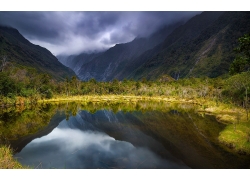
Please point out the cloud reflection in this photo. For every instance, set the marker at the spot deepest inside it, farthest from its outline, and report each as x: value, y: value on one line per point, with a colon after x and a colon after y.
x: 73, y: 148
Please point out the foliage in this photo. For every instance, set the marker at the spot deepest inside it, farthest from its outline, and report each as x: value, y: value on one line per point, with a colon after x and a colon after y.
x: 204, y: 48
x: 7, y: 85
x: 237, y: 136
x: 19, y: 122
x: 22, y: 85
x: 236, y: 86
x: 14, y: 48
x: 6, y: 159
x: 242, y: 62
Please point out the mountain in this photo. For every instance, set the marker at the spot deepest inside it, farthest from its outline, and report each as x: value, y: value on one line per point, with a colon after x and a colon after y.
x: 20, y: 51
x: 75, y: 62
x: 203, y: 46
x: 108, y: 65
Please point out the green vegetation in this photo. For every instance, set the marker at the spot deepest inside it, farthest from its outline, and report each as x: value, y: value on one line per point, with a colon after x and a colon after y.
x: 237, y: 136
x: 226, y: 97
x: 18, y: 122
x: 6, y: 159
x: 15, y: 49
x: 204, y: 48
x: 242, y: 61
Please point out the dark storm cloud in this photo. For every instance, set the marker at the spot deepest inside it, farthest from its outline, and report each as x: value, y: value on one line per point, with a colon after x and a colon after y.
x: 75, y: 32
x: 31, y: 24
x: 94, y: 23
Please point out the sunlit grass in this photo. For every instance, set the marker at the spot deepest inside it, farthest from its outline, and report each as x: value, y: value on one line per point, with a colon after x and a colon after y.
x: 228, y: 114
x: 7, y: 161
x: 237, y: 137
x: 225, y: 112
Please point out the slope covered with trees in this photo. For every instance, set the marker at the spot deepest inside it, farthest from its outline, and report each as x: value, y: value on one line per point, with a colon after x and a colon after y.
x: 203, y: 46
x: 18, y: 51
x: 207, y: 53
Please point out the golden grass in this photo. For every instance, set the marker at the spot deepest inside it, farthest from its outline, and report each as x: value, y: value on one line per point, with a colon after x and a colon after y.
x: 238, y: 140
x: 6, y: 159
x: 225, y: 113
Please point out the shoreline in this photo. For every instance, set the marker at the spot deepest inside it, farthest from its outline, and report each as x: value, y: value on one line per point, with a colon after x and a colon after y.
x: 203, y: 105
x: 225, y: 113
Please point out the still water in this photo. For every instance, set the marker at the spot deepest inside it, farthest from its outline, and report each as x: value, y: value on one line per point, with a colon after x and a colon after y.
x: 155, y: 138
x: 78, y: 143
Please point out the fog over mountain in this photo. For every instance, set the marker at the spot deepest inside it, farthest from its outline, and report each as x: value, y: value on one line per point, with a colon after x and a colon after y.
x: 72, y: 33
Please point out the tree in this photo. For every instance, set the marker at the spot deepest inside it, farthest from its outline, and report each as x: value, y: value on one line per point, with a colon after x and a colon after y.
x: 238, y: 88
x: 67, y: 85
x: 138, y: 85
x: 242, y: 62
x: 75, y: 85
x: 7, y: 85
x: 3, y: 63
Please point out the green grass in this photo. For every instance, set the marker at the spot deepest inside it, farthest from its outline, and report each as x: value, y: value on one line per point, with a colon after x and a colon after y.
x: 237, y: 137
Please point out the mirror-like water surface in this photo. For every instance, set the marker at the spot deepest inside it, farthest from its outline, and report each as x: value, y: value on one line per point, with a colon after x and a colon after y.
x: 77, y: 144
x: 144, y: 136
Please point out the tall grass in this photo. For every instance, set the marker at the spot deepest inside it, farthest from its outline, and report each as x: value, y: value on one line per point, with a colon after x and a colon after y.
x: 6, y: 159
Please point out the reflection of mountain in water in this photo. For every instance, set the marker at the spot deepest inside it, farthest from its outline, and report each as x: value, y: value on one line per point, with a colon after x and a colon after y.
x: 106, y: 139
x: 80, y: 143
x: 121, y: 126
x: 188, y: 136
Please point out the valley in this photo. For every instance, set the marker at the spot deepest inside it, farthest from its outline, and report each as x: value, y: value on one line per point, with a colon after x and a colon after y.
x: 185, y: 85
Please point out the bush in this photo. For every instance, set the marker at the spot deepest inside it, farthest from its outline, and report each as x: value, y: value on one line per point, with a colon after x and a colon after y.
x: 27, y: 92
x: 49, y: 94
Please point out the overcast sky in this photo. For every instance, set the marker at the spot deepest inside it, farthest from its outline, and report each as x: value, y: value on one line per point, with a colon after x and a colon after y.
x: 75, y: 32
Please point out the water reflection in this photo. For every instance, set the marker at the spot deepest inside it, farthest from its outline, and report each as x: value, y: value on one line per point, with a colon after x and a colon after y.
x: 117, y: 135
x: 70, y: 147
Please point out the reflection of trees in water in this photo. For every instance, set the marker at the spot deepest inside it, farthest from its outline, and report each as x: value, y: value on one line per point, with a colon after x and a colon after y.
x: 176, y: 126
x: 16, y: 122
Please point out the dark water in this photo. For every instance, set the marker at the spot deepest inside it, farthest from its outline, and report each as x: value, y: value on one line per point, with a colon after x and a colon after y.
x: 115, y: 138
x: 78, y: 144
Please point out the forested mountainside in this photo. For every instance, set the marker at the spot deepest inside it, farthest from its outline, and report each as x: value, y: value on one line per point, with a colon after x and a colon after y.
x: 208, y: 53
x: 19, y: 51
x: 203, y: 46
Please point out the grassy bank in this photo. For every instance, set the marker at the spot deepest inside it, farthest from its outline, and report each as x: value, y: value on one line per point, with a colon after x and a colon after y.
x: 7, y: 161
x: 235, y: 136
x: 226, y: 113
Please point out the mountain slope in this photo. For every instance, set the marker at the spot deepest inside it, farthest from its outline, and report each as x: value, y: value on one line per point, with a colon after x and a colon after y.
x: 20, y: 51
x: 207, y: 53
x: 75, y: 62
x: 108, y: 65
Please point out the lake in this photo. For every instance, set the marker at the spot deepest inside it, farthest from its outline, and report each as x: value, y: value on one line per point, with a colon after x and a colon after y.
x: 121, y: 136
